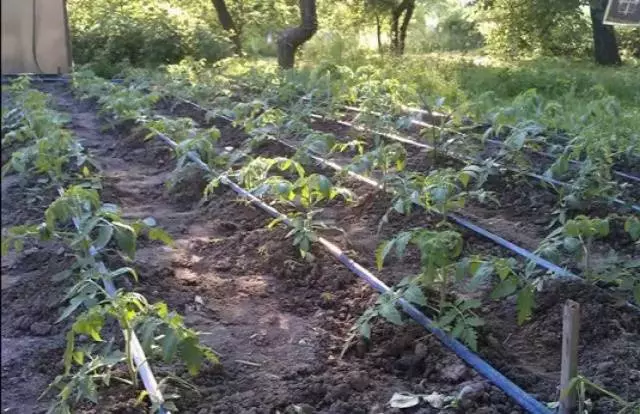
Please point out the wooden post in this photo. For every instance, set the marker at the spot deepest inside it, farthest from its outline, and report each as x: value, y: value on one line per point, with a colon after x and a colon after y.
x: 570, y: 334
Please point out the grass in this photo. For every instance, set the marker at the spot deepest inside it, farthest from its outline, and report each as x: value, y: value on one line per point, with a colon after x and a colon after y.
x: 460, y: 77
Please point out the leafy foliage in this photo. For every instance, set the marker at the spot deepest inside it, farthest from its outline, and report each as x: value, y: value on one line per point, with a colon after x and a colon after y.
x: 92, y: 229
x: 110, y: 34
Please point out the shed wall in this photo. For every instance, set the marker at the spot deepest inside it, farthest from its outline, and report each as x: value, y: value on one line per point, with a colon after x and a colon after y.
x: 52, y: 47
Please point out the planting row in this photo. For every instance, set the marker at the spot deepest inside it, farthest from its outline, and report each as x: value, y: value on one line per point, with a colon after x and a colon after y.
x: 385, y: 160
x: 301, y: 188
x: 48, y: 158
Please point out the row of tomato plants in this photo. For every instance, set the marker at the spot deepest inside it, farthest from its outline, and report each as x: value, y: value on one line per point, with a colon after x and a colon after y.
x: 288, y: 182
x: 442, y: 263
x: 600, y: 133
x: 591, y: 182
x: 571, y: 241
x: 48, y: 156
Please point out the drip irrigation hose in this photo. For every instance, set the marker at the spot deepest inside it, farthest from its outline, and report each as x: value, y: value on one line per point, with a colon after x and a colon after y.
x: 551, y: 156
x: 494, y: 141
x: 139, y: 358
x: 414, y: 143
x: 453, y: 217
x: 520, y: 396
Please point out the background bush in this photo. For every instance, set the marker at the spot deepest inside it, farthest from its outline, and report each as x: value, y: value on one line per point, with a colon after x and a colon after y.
x: 109, y: 35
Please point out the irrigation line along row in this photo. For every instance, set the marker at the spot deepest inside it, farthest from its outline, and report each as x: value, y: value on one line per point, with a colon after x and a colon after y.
x: 520, y: 396
x: 493, y: 141
x: 139, y: 358
x: 461, y: 157
x: 451, y: 216
x: 502, y: 144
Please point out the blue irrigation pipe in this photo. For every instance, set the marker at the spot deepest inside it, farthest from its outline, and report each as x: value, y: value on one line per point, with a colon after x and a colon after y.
x: 453, y: 217
x: 498, y: 142
x: 539, y: 261
x: 538, y: 177
x: 441, y: 115
x: 525, y: 400
x: 513, y: 247
x: 139, y: 358
x: 553, y: 157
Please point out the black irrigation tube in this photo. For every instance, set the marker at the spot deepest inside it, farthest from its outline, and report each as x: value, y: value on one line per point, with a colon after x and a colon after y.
x: 137, y: 353
x: 453, y: 217
x: 520, y: 396
x: 502, y: 144
x: 442, y: 115
x: 417, y: 144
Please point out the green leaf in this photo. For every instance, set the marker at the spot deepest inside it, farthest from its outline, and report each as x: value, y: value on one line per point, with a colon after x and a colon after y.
x: 470, y: 338
x: 458, y: 329
x: 324, y: 186
x: 365, y: 329
x: 123, y: 270
x: 474, y: 321
x: 446, y: 319
x: 571, y: 244
x: 68, y: 353
x: 169, y: 346
x: 104, y: 235
x: 382, y: 251
x: 464, y: 178
x: 401, y: 243
x: 632, y: 226
x: 415, y: 295
x: 467, y: 304
x: 74, y: 303
x: 78, y: 357
x: 191, y: 354
x: 157, y: 233
x: 126, y: 239
x: 525, y: 303
x: 389, y: 312
x: 505, y: 288
x: 572, y: 229
x: 148, y: 334
x: 602, y: 227
x: 89, y: 323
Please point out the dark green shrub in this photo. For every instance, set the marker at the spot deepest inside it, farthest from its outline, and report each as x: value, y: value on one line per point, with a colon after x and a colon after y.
x: 109, y: 35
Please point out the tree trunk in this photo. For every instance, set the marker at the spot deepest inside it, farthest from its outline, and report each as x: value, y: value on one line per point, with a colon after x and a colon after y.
x: 399, y: 32
x: 228, y: 24
x: 379, y: 33
x: 395, y: 19
x: 605, y: 46
x: 292, y: 38
x: 405, y: 25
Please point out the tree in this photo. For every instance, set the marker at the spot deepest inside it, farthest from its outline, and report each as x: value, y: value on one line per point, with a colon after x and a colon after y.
x: 227, y: 23
x: 399, y: 31
x: 605, y: 46
x: 292, y: 38
x: 550, y: 27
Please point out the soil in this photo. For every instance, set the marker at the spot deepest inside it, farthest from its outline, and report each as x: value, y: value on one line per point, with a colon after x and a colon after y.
x: 519, y: 210
x: 277, y: 321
